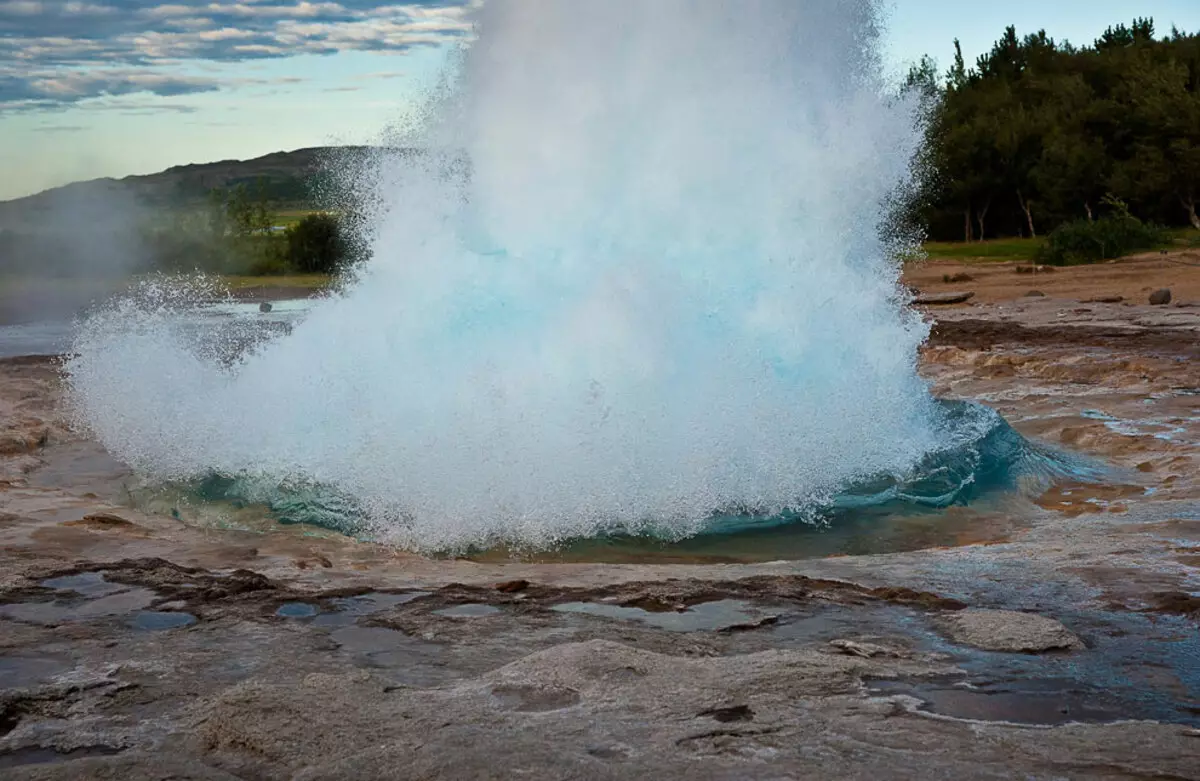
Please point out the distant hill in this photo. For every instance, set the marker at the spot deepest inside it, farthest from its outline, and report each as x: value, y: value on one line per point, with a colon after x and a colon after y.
x: 286, y: 179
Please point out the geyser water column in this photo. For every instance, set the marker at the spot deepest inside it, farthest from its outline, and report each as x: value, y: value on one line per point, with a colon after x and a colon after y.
x: 635, y: 277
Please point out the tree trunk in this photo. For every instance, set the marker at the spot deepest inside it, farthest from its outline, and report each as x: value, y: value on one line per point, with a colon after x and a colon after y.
x: 1087, y: 207
x: 1027, y: 207
x: 1189, y: 203
x: 981, y: 216
x: 967, y: 233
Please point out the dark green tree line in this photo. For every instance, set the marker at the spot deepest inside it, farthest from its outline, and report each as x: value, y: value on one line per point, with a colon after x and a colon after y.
x: 1040, y: 133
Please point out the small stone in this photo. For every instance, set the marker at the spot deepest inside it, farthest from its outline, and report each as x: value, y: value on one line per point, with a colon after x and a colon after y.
x: 264, y: 307
x: 1161, y: 297
x: 1009, y: 631
x: 864, y: 650
x: 511, y: 586
x: 1035, y: 294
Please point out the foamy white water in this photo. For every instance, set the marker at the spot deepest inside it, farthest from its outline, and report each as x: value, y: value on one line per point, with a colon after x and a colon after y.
x: 658, y: 288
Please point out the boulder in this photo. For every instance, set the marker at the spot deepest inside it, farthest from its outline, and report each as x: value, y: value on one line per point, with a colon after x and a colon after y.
x: 1009, y: 631
x: 1161, y: 297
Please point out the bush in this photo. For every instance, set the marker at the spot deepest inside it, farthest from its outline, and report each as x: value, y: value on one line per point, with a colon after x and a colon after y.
x: 1112, y: 236
x: 268, y: 264
x: 316, y: 245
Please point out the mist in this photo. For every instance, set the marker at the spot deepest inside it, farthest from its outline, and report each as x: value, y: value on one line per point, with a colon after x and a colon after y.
x: 67, y: 248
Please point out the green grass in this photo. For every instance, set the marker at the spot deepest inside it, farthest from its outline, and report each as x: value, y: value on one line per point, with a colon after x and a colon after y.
x: 1025, y: 250
x: 286, y: 218
x: 305, y: 281
x: 994, y: 250
x: 1183, y: 238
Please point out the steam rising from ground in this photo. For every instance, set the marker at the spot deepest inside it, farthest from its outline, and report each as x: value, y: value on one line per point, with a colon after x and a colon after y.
x: 638, y: 278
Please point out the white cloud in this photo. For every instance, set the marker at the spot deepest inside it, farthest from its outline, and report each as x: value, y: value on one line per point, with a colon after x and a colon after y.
x: 121, y: 45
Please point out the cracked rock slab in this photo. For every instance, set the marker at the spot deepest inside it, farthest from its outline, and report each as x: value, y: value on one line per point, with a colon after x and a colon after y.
x: 1009, y: 631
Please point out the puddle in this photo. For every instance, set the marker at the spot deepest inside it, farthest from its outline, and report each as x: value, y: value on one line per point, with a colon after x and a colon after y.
x: 471, y: 610
x: 705, y: 617
x: 25, y: 671
x: 1020, y: 702
x: 155, y: 620
x: 89, y: 584
x: 297, y: 610
x: 372, y: 640
x: 1136, y: 667
x: 85, y: 597
x: 65, y: 612
x: 350, y: 609
x: 397, y: 656
x: 37, y: 755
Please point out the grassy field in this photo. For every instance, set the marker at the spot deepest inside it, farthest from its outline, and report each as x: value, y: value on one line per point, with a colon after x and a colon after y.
x: 286, y: 218
x: 1184, y: 238
x: 1025, y: 250
x: 300, y: 281
x: 1000, y: 250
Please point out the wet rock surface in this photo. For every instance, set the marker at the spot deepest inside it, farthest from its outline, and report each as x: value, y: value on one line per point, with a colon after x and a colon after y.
x: 676, y: 675
x: 134, y: 645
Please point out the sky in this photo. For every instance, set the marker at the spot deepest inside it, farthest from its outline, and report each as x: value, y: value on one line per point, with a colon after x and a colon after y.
x: 92, y: 88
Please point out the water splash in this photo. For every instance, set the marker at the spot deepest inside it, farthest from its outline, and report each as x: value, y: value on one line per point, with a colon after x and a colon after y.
x: 637, y: 276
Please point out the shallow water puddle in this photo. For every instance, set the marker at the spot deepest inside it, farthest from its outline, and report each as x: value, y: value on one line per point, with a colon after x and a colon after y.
x: 404, y: 659
x: 374, y: 641
x: 89, y: 584
x: 350, y: 609
x: 297, y: 610
x: 88, y: 597
x: 1136, y: 667
x: 705, y: 617
x: 1020, y: 702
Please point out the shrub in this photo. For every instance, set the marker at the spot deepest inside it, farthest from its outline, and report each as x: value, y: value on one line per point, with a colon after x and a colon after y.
x: 316, y: 244
x: 269, y: 264
x: 1112, y: 236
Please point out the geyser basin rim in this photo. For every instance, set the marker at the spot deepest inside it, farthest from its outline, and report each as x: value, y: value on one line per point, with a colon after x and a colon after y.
x: 988, y: 457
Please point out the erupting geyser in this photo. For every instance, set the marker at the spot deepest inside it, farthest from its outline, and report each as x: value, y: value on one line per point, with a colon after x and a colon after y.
x: 637, y: 277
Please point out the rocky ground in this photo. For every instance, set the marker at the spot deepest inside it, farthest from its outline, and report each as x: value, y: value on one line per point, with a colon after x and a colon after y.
x: 1059, y: 642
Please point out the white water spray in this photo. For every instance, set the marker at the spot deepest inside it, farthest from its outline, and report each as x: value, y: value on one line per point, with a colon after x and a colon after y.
x: 657, y: 289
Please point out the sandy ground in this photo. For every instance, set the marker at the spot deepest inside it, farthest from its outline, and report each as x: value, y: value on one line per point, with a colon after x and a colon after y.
x: 1134, y: 279
x: 134, y: 645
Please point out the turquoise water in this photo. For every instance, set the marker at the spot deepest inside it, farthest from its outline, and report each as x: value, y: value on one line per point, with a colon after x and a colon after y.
x: 986, y: 465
